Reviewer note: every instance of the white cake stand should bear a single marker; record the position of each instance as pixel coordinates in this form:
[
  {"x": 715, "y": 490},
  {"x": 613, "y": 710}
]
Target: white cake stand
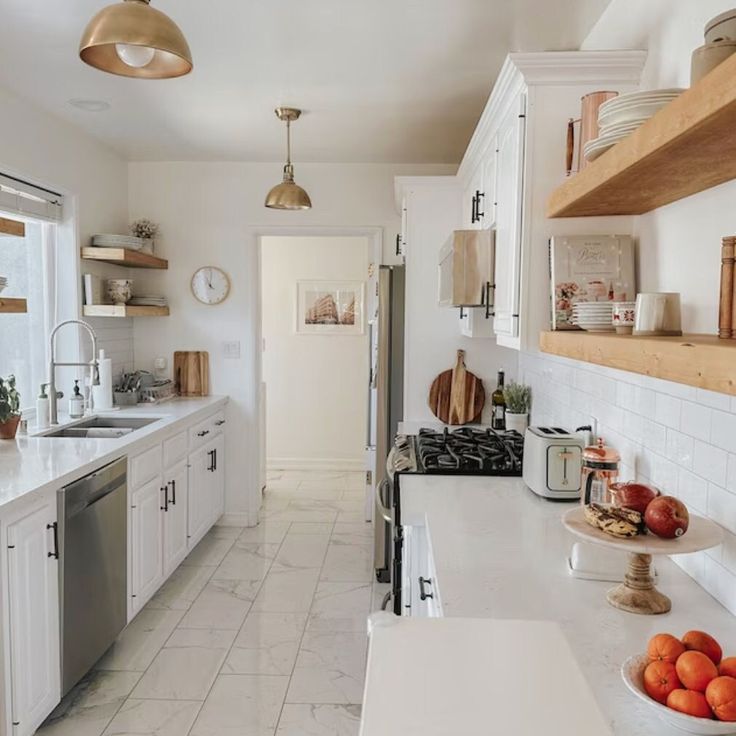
[{"x": 637, "y": 593}]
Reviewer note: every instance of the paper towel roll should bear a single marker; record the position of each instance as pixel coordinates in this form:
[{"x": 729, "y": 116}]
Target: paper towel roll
[{"x": 102, "y": 394}]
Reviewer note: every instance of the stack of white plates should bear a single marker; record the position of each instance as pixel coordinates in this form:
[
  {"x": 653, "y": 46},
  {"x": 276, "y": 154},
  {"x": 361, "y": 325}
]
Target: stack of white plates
[
  {"x": 619, "y": 117},
  {"x": 593, "y": 316},
  {"x": 148, "y": 301},
  {"x": 3, "y": 282},
  {"x": 118, "y": 241}
]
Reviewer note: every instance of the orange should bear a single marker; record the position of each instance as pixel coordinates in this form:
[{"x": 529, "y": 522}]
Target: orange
[
  {"x": 695, "y": 670},
  {"x": 660, "y": 679},
  {"x": 665, "y": 648},
  {"x": 691, "y": 702},
  {"x": 702, "y": 642},
  {"x": 728, "y": 666},
  {"x": 721, "y": 696}
]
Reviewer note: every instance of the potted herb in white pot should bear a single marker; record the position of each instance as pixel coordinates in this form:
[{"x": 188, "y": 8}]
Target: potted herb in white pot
[
  {"x": 518, "y": 398},
  {"x": 9, "y": 408},
  {"x": 146, "y": 230}
]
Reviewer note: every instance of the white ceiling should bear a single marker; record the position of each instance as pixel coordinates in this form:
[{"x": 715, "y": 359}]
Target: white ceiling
[{"x": 400, "y": 81}]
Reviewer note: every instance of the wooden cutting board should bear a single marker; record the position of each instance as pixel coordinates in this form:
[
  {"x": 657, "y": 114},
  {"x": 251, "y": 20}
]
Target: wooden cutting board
[
  {"x": 192, "y": 372},
  {"x": 456, "y": 395}
]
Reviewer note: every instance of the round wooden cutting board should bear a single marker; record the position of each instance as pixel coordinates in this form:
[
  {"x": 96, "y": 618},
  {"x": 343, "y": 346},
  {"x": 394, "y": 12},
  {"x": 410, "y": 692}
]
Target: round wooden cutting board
[{"x": 456, "y": 395}]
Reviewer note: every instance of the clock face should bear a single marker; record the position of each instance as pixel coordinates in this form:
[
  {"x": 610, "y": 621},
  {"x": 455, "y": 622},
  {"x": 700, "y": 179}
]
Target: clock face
[{"x": 210, "y": 285}]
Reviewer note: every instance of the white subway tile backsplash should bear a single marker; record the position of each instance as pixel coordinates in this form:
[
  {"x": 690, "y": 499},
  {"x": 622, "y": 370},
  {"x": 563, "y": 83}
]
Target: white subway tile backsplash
[
  {"x": 720, "y": 583},
  {"x": 692, "y": 490},
  {"x": 723, "y": 430},
  {"x": 731, "y": 474},
  {"x": 666, "y": 475},
  {"x": 710, "y": 462},
  {"x": 722, "y": 507},
  {"x": 680, "y": 448},
  {"x": 713, "y": 399},
  {"x": 696, "y": 420},
  {"x": 668, "y": 410},
  {"x": 654, "y": 436}
]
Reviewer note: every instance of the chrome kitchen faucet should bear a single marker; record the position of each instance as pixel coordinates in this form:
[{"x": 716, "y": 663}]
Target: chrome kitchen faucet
[{"x": 93, "y": 365}]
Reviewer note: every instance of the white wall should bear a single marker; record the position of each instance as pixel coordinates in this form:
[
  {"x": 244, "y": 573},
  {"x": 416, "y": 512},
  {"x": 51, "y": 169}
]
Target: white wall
[
  {"x": 213, "y": 213},
  {"x": 315, "y": 384},
  {"x": 46, "y": 150}
]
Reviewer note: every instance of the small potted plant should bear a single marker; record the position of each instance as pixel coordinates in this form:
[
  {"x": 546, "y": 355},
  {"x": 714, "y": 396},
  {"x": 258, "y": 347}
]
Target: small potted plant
[
  {"x": 518, "y": 398},
  {"x": 147, "y": 230},
  {"x": 9, "y": 408}
]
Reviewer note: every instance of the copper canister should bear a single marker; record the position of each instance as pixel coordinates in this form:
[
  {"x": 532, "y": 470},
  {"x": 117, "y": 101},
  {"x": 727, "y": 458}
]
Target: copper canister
[
  {"x": 589, "y": 129},
  {"x": 600, "y": 471}
]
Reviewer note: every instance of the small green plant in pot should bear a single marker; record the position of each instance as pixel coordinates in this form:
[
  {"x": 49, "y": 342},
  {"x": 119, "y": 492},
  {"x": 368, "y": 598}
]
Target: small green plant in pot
[
  {"x": 9, "y": 408},
  {"x": 518, "y": 398}
]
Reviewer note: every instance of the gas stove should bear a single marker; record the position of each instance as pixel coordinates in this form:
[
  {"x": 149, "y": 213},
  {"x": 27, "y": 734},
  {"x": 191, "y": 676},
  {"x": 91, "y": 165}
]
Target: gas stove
[{"x": 465, "y": 451}]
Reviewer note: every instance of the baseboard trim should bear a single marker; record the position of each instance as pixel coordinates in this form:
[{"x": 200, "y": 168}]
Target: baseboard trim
[
  {"x": 303, "y": 463},
  {"x": 234, "y": 518}
]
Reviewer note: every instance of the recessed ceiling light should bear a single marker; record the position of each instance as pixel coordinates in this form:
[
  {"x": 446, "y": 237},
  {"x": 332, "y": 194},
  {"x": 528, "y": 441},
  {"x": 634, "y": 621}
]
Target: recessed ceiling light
[{"x": 90, "y": 105}]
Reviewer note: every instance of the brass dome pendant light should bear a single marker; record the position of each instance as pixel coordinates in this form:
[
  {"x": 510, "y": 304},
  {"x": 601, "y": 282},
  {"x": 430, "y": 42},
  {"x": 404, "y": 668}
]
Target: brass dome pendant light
[
  {"x": 133, "y": 39},
  {"x": 288, "y": 195}
]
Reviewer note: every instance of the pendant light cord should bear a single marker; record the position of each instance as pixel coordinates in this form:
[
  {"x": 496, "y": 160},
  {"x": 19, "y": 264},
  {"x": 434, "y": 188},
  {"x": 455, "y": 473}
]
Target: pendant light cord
[{"x": 288, "y": 142}]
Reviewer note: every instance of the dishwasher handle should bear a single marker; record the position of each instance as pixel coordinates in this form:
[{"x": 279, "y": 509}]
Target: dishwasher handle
[{"x": 383, "y": 510}]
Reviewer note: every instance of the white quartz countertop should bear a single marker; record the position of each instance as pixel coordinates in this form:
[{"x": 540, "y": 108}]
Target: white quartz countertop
[
  {"x": 37, "y": 464},
  {"x": 501, "y": 552}
]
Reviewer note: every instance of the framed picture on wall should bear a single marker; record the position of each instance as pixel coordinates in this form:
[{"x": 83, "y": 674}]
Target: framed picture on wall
[{"x": 330, "y": 307}]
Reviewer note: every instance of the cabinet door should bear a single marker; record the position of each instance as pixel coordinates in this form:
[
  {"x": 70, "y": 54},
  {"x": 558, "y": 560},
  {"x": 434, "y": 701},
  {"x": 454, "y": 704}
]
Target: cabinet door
[
  {"x": 488, "y": 203},
  {"x": 175, "y": 516},
  {"x": 33, "y": 598},
  {"x": 199, "y": 503},
  {"x": 474, "y": 201},
  {"x": 147, "y": 541},
  {"x": 218, "y": 479},
  {"x": 509, "y": 177}
]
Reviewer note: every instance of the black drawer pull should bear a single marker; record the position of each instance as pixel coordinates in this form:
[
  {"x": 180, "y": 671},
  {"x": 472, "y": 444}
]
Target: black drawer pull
[
  {"x": 423, "y": 595},
  {"x": 203, "y": 433},
  {"x": 219, "y": 422}
]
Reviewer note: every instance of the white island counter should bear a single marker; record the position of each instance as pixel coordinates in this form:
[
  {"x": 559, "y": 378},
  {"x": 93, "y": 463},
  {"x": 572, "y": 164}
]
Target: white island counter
[{"x": 500, "y": 552}]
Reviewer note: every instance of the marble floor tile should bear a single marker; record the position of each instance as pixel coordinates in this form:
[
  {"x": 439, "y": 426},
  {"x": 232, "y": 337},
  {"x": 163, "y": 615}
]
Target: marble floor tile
[
  {"x": 302, "y": 551},
  {"x": 319, "y": 720},
  {"x": 348, "y": 562},
  {"x": 379, "y": 591},
  {"x": 226, "y": 531},
  {"x": 186, "y": 668},
  {"x": 154, "y": 718},
  {"x": 223, "y": 604},
  {"x": 353, "y": 538},
  {"x": 91, "y": 705},
  {"x": 340, "y": 607},
  {"x": 266, "y": 531},
  {"x": 242, "y": 705},
  {"x": 136, "y": 647},
  {"x": 298, "y": 514},
  {"x": 182, "y": 588},
  {"x": 362, "y": 530},
  {"x": 330, "y": 668},
  {"x": 318, "y": 492},
  {"x": 351, "y": 517},
  {"x": 267, "y": 644},
  {"x": 246, "y": 561},
  {"x": 210, "y": 551},
  {"x": 287, "y": 591},
  {"x": 306, "y": 527}
]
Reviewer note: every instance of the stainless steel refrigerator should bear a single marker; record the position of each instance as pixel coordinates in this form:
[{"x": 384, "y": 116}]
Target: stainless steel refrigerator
[{"x": 386, "y": 400}]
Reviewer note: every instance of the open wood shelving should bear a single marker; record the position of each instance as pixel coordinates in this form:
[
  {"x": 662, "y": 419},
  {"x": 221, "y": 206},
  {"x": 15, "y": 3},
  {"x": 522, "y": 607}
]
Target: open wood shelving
[
  {"x": 11, "y": 305},
  {"x": 123, "y": 257},
  {"x": 687, "y": 147},
  {"x": 123, "y": 310},
  {"x": 704, "y": 361}
]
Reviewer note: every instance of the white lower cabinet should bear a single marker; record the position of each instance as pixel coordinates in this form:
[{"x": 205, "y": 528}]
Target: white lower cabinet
[
  {"x": 32, "y": 619},
  {"x": 176, "y": 536},
  {"x": 200, "y": 504},
  {"x": 147, "y": 534},
  {"x": 218, "y": 479},
  {"x": 420, "y": 595}
]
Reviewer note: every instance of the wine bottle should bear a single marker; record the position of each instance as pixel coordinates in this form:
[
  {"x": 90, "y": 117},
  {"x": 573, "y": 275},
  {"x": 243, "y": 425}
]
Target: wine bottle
[{"x": 498, "y": 405}]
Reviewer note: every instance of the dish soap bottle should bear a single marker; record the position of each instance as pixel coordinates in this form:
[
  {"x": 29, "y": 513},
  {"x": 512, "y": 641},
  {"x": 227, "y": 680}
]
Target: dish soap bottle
[
  {"x": 76, "y": 403},
  {"x": 42, "y": 408}
]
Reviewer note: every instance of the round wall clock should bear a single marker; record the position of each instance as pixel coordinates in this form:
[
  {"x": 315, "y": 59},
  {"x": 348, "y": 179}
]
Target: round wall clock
[{"x": 210, "y": 285}]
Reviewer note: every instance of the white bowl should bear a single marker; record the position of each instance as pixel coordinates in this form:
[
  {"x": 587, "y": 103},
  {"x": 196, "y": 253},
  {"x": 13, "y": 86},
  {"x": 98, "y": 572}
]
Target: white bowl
[{"x": 632, "y": 671}]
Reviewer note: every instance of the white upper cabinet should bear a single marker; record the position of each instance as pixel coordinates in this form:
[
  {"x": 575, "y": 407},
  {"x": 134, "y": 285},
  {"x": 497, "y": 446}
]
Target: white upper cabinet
[{"x": 33, "y": 619}]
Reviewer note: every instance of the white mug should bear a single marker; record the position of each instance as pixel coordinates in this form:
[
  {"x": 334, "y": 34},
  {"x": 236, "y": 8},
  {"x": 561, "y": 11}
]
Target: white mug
[{"x": 658, "y": 314}]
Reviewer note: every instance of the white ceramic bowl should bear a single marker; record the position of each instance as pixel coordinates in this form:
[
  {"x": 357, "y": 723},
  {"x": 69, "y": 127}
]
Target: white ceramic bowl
[{"x": 632, "y": 671}]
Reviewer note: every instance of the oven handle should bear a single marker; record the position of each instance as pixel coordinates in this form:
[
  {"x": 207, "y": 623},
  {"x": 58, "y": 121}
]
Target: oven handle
[{"x": 381, "y": 503}]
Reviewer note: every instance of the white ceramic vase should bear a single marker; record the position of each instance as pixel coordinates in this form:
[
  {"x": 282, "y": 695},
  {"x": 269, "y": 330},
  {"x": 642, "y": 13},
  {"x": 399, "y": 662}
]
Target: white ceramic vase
[{"x": 517, "y": 422}]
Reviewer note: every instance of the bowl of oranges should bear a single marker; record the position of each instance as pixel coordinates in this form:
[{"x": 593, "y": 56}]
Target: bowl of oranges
[{"x": 687, "y": 681}]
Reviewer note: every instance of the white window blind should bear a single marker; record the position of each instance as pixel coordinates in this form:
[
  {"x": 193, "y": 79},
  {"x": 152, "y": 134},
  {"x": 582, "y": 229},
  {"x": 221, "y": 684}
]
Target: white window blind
[{"x": 21, "y": 198}]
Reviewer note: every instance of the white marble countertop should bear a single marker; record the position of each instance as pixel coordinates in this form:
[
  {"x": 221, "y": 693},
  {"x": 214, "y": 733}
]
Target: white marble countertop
[
  {"x": 37, "y": 464},
  {"x": 501, "y": 552}
]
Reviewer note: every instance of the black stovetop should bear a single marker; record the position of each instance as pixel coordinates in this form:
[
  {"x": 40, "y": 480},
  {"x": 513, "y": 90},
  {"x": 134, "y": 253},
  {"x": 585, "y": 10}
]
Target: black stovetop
[{"x": 469, "y": 451}]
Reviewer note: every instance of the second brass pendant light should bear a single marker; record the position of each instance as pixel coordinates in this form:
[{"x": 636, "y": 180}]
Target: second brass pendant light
[{"x": 288, "y": 195}]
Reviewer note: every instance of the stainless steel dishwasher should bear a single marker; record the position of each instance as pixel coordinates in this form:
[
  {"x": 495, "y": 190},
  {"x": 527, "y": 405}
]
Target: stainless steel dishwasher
[{"x": 93, "y": 541}]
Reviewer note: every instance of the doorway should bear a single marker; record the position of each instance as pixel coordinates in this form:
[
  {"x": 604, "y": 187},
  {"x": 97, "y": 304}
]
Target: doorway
[{"x": 315, "y": 305}]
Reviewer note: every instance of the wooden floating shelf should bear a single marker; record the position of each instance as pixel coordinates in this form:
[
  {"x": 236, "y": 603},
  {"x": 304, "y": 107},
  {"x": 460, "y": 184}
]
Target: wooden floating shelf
[
  {"x": 704, "y": 361},
  {"x": 687, "y": 147},
  {"x": 13, "y": 306},
  {"x": 123, "y": 310},
  {"x": 123, "y": 257},
  {"x": 12, "y": 227}
]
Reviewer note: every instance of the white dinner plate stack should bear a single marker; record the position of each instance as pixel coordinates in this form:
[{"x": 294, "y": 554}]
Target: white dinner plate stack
[
  {"x": 593, "y": 316},
  {"x": 3, "y": 283},
  {"x": 117, "y": 241},
  {"x": 619, "y": 117},
  {"x": 144, "y": 300}
]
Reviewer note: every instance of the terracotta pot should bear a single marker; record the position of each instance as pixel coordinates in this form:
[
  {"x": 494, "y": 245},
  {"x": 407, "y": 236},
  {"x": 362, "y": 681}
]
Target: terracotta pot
[{"x": 9, "y": 428}]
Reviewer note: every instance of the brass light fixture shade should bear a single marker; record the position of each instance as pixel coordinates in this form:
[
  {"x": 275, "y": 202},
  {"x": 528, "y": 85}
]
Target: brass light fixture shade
[
  {"x": 132, "y": 39},
  {"x": 288, "y": 195}
]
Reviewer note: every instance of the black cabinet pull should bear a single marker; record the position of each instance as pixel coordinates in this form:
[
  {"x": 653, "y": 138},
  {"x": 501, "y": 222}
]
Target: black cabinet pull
[
  {"x": 214, "y": 459},
  {"x": 165, "y": 490},
  {"x": 398, "y": 244},
  {"x": 423, "y": 595},
  {"x": 473, "y": 210},
  {"x": 219, "y": 422},
  {"x": 489, "y": 306},
  {"x": 478, "y": 214},
  {"x": 173, "y": 493},
  {"x": 55, "y": 553},
  {"x": 211, "y": 453},
  {"x": 203, "y": 433}
]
